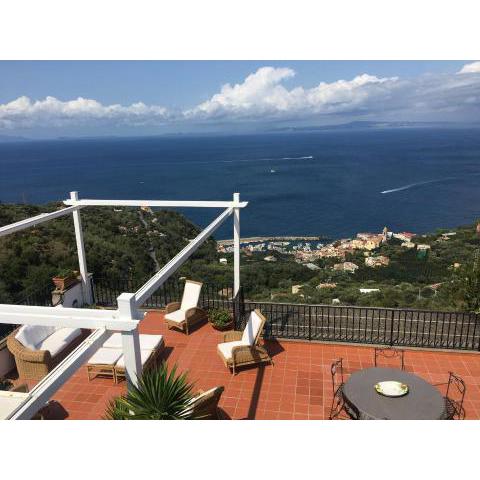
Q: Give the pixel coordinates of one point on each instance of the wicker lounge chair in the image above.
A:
(109, 361)
(37, 349)
(147, 357)
(205, 404)
(102, 363)
(242, 348)
(186, 313)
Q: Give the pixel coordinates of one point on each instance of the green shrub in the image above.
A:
(219, 317)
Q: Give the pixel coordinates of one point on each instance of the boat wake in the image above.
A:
(251, 160)
(418, 184)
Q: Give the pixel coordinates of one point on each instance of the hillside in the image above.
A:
(120, 244)
(131, 244)
(431, 276)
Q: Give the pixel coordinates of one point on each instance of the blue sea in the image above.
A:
(329, 183)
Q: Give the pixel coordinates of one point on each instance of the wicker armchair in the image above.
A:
(205, 404)
(242, 348)
(185, 314)
(31, 364)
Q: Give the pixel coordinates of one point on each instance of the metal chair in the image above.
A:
(454, 396)
(339, 409)
(388, 353)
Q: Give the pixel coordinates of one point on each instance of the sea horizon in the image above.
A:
(330, 183)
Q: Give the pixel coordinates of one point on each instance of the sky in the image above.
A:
(77, 98)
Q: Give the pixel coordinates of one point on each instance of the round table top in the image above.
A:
(422, 402)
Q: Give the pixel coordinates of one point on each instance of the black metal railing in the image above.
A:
(382, 326)
(349, 324)
(212, 296)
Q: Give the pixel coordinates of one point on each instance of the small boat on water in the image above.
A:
(272, 170)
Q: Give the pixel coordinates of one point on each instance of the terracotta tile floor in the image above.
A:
(298, 386)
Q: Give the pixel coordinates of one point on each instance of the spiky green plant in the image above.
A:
(159, 395)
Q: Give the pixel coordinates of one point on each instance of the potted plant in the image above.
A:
(64, 278)
(220, 319)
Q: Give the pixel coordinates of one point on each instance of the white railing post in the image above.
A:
(236, 244)
(130, 339)
(82, 260)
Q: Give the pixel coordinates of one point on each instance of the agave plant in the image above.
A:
(159, 395)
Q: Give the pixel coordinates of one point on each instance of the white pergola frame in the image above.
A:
(127, 316)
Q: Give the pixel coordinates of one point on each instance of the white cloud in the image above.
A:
(24, 112)
(268, 95)
(262, 95)
(473, 67)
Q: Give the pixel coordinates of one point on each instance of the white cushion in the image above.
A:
(58, 340)
(191, 293)
(31, 335)
(144, 356)
(150, 342)
(252, 328)
(147, 342)
(226, 348)
(177, 316)
(105, 356)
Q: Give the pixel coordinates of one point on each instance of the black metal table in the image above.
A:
(422, 402)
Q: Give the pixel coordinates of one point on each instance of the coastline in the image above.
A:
(275, 238)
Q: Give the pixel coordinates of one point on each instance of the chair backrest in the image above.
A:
(390, 352)
(456, 389)
(205, 405)
(254, 327)
(31, 335)
(191, 294)
(336, 371)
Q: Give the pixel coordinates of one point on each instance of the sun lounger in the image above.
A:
(109, 360)
(102, 363)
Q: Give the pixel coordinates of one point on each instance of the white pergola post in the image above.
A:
(82, 259)
(130, 339)
(236, 244)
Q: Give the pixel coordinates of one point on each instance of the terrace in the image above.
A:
(298, 386)
(303, 340)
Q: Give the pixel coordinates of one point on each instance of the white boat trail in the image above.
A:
(418, 184)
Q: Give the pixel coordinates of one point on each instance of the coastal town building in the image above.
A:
(422, 246)
(378, 261)
(322, 286)
(312, 266)
(223, 261)
(270, 258)
(346, 267)
(408, 245)
(404, 236)
(368, 290)
(296, 289)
